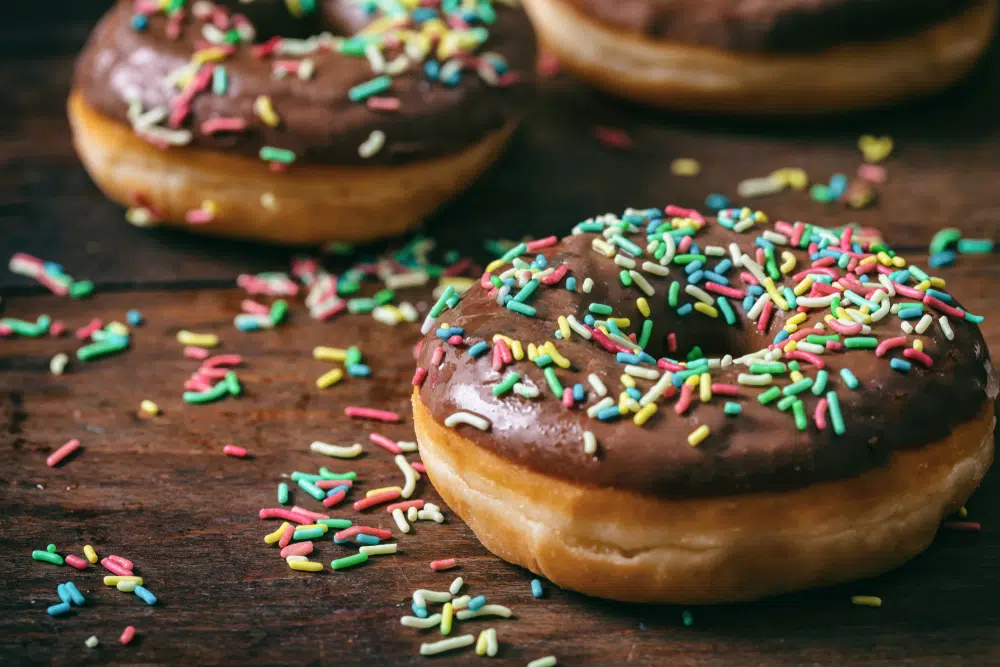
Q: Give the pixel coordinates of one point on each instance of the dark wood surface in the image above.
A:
(159, 491)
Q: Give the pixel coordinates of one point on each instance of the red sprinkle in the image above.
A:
(888, 344)
(963, 526)
(802, 355)
(819, 416)
(418, 376)
(76, 561)
(334, 499)
(213, 125)
(418, 466)
(612, 138)
(405, 505)
(223, 360)
(55, 457)
(385, 443)
(917, 355)
(286, 537)
(765, 317)
(127, 635)
(725, 389)
(348, 533)
(684, 402)
(115, 568)
(234, 451)
(446, 564)
(83, 333)
(722, 289)
(377, 499)
(547, 65)
(195, 353)
(309, 513)
(371, 413)
(57, 328)
(297, 549)
(124, 562)
(282, 513)
(327, 484)
(555, 276)
(939, 305)
(532, 246)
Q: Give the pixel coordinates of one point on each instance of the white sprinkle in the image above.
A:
(411, 514)
(386, 315)
(810, 347)
(372, 145)
(268, 201)
(306, 69)
(657, 389)
(58, 363)
(644, 373)
(92, 641)
(463, 417)
(668, 256)
(427, 325)
(699, 294)
(526, 390)
(485, 610)
(815, 301)
(588, 284)
(775, 237)
(759, 187)
(292, 559)
(422, 596)
(375, 58)
(379, 549)
(758, 306)
(429, 515)
(924, 322)
(597, 384)
(743, 225)
(655, 269)
(337, 451)
(578, 328)
(397, 65)
(492, 646)
(949, 333)
(461, 601)
(605, 402)
(622, 260)
(408, 447)
(547, 661)
(409, 279)
(397, 515)
(715, 251)
(642, 283)
(736, 254)
(884, 279)
(456, 586)
(754, 268)
(434, 648)
(761, 380)
(409, 473)
(421, 623)
(589, 443)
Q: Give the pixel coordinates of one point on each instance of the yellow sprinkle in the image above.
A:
(842, 315)
(209, 54)
(601, 246)
(693, 381)
(621, 322)
(481, 643)
(196, 339)
(698, 435)
(380, 25)
(923, 285)
(447, 613)
(685, 166)
(517, 350)
(330, 378)
(864, 317)
(561, 361)
(265, 111)
(149, 407)
(643, 306)
(271, 538)
(627, 380)
(383, 490)
(644, 414)
(706, 309)
(113, 580)
(792, 345)
(209, 206)
(787, 262)
(705, 390)
(962, 512)
(869, 260)
(918, 345)
(532, 352)
(91, 555)
(803, 286)
(117, 328)
(938, 283)
(776, 297)
(898, 262)
(315, 525)
(883, 257)
(305, 565)
(866, 600)
(798, 318)
(494, 265)
(796, 376)
(459, 283)
(564, 327)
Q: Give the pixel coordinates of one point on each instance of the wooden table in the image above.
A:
(159, 491)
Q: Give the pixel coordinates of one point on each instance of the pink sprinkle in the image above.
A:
(671, 342)
(253, 307)
(418, 466)
(114, 568)
(198, 216)
(888, 344)
(438, 565)
(192, 352)
(819, 415)
(197, 383)
(668, 365)
(385, 443)
(908, 292)
(84, 332)
(684, 402)
(547, 65)
(127, 635)
(383, 103)
(845, 328)
(611, 137)
(331, 311)
(963, 526)
(124, 562)
(802, 355)
(505, 353)
(845, 238)
(765, 316)
(748, 278)
(567, 397)
(282, 513)
(61, 453)
(348, 533)
(458, 268)
(235, 451)
(484, 280)
(797, 231)
(377, 499)
(418, 376)
(941, 306)
(298, 549)
(334, 499)
(437, 356)
(419, 504)
(508, 79)
(212, 373)
(834, 345)
(223, 360)
(265, 49)
(5, 330)
(731, 292)
(76, 561)
(802, 333)
(57, 328)
(327, 484)
(555, 276)
(872, 173)
(919, 356)
(725, 389)
(455, 340)
(677, 211)
(541, 243)
(685, 244)
(214, 125)
(309, 513)
(356, 412)
(286, 537)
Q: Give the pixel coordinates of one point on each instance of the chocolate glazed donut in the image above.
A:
(766, 57)
(297, 122)
(656, 415)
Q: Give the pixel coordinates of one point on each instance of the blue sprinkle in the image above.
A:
(453, 301)
(693, 266)
(366, 540)
(75, 594)
(782, 335)
(536, 588)
(761, 242)
(478, 349)
(342, 540)
(910, 312)
(901, 365)
(543, 360)
(541, 261)
(432, 69)
(571, 284)
(475, 604)
(336, 489)
(134, 317)
(901, 277)
(139, 22)
(696, 277)
(626, 358)
(247, 322)
(359, 370)
(939, 295)
(589, 320)
(838, 184)
(717, 201)
(63, 593)
(756, 290)
(723, 267)
(608, 414)
(633, 393)
(748, 302)
(943, 258)
(686, 309)
(453, 80)
(445, 334)
(421, 14)
(146, 596)
(793, 302)
(579, 393)
(421, 612)
(716, 278)
(59, 609)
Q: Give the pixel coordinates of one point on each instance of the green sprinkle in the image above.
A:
(55, 559)
(797, 387)
(496, 281)
(326, 474)
(645, 333)
(835, 303)
(51, 548)
(673, 293)
(215, 393)
(355, 46)
(365, 90)
(600, 309)
(820, 384)
(687, 618)
(944, 238)
(849, 378)
(355, 306)
(349, 561)
(696, 354)
(733, 408)
(308, 533)
(786, 403)
(769, 395)
(507, 384)
(439, 305)
(543, 360)
(821, 340)
(626, 279)
(220, 80)
(727, 310)
(799, 412)
(31, 329)
(347, 287)
(687, 259)
(835, 415)
(625, 244)
(975, 246)
(339, 524)
(516, 251)
(861, 343)
(278, 310)
(233, 384)
(383, 297)
(554, 384)
(917, 272)
(793, 365)
(273, 154)
(282, 494)
(353, 356)
(81, 289)
(521, 308)
(296, 476)
(774, 367)
(526, 291)
(312, 489)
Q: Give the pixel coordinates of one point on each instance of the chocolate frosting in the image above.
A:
(318, 121)
(770, 25)
(760, 449)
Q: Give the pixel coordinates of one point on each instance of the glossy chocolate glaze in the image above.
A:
(761, 449)
(770, 25)
(318, 121)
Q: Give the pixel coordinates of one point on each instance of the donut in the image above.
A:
(301, 121)
(673, 408)
(768, 57)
